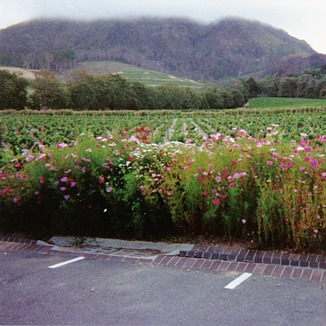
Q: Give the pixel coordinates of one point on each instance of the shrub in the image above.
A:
(260, 190)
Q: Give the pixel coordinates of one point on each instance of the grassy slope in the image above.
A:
(26, 73)
(133, 73)
(279, 102)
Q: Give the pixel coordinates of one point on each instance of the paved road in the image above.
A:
(100, 292)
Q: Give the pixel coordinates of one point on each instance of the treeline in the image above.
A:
(112, 92)
(311, 84)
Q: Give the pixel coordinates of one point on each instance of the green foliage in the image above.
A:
(48, 92)
(257, 189)
(13, 91)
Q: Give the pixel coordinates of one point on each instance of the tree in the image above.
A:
(214, 99)
(253, 88)
(48, 92)
(13, 91)
(269, 86)
(288, 87)
(83, 92)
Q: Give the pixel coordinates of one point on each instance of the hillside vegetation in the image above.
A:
(131, 73)
(228, 48)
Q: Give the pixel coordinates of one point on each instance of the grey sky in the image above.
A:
(304, 19)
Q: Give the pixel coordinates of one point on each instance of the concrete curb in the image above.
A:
(187, 260)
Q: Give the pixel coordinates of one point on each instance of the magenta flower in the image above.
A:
(17, 199)
(216, 201)
(72, 184)
(313, 162)
(201, 179)
(66, 197)
(231, 185)
(64, 179)
(24, 177)
(269, 162)
(63, 188)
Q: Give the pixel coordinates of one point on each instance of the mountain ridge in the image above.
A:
(232, 47)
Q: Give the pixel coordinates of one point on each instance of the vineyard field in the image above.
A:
(21, 130)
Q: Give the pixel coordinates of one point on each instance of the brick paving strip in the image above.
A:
(214, 258)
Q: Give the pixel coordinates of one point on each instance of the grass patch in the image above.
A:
(280, 102)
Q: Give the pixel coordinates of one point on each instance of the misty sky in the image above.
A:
(303, 19)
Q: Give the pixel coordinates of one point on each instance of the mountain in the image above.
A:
(228, 48)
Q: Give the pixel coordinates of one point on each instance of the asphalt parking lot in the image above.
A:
(43, 289)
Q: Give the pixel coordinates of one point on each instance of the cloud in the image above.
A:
(301, 18)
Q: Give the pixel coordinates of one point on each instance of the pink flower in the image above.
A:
(101, 179)
(218, 179)
(307, 149)
(313, 162)
(64, 179)
(108, 189)
(4, 192)
(231, 185)
(17, 199)
(72, 184)
(323, 175)
(243, 221)
(201, 179)
(24, 177)
(269, 162)
(63, 188)
(40, 157)
(83, 169)
(216, 201)
(66, 197)
(61, 145)
(29, 158)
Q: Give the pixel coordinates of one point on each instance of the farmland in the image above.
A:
(20, 130)
(255, 175)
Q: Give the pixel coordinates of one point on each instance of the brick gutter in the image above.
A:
(268, 263)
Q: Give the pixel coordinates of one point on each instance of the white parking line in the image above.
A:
(238, 281)
(66, 262)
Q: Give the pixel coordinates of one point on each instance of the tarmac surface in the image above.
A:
(71, 281)
(214, 257)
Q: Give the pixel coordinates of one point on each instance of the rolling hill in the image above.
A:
(180, 47)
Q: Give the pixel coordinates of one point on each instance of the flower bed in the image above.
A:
(264, 191)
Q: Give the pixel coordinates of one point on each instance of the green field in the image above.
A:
(21, 130)
(285, 103)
